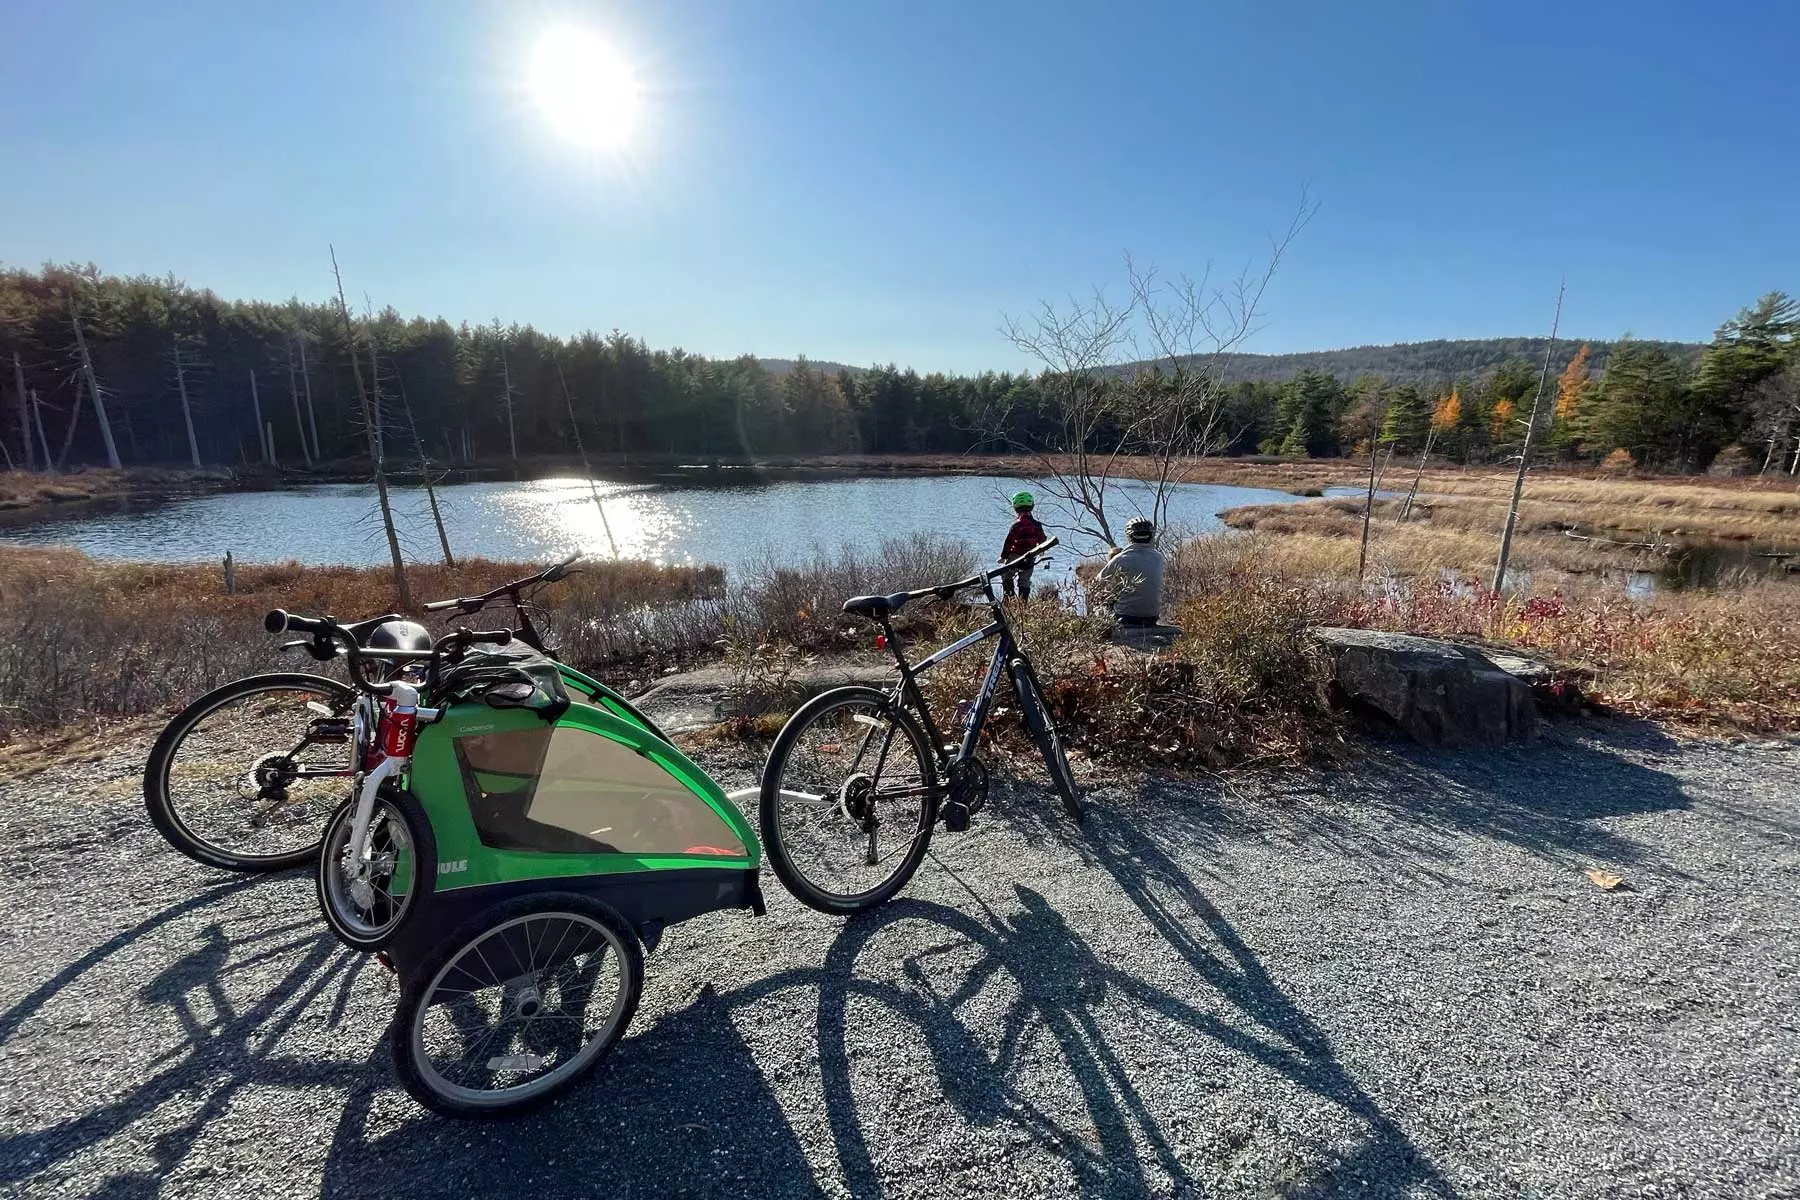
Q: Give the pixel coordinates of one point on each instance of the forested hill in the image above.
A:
(1422, 364)
(128, 371)
(1435, 363)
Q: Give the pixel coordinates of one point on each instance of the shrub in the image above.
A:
(1619, 462)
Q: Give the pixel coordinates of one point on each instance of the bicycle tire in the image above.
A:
(164, 812)
(1038, 723)
(404, 806)
(426, 1084)
(769, 815)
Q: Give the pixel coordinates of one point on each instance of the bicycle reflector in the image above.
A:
(881, 641)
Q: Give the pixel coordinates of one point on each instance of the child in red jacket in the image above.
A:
(1025, 534)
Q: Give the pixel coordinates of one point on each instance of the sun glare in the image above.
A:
(583, 87)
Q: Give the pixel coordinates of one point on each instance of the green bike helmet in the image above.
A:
(1023, 500)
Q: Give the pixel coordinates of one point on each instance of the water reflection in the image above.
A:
(735, 525)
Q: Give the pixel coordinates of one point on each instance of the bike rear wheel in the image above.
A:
(1036, 712)
(516, 1007)
(237, 781)
(848, 800)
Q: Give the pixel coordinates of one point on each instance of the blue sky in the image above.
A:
(865, 181)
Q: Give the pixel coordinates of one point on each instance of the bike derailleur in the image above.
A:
(968, 793)
(269, 777)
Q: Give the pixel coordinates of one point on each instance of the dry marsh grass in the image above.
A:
(1727, 659)
(80, 637)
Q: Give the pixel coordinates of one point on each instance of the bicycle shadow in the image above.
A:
(1556, 799)
(225, 1047)
(1116, 1143)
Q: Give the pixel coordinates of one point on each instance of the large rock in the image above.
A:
(1438, 693)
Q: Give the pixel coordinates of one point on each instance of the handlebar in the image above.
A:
(945, 591)
(329, 638)
(470, 604)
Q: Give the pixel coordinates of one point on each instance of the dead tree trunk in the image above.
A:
(312, 417)
(306, 454)
(87, 372)
(263, 438)
(24, 413)
(1512, 512)
(37, 415)
(587, 468)
(1362, 555)
(512, 436)
(371, 421)
(187, 413)
(437, 518)
(1412, 492)
(62, 460)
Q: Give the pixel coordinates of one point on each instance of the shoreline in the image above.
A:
(24, 493)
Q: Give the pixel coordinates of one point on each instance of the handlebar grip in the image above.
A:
(492, 637)
(441, 605)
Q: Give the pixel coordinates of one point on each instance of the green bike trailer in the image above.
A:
(537, 779)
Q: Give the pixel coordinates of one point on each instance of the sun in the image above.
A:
(583, 87)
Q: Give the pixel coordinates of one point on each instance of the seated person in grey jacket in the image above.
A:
(1133, 576)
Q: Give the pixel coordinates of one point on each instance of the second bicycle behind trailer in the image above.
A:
(860, 776)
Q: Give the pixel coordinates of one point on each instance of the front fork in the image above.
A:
(397, 729)
(368, 788)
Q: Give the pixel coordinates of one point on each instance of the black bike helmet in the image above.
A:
(401, 635)
(397, 635)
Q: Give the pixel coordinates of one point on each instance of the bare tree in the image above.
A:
(1142, 379)
(37, 414)
(437, 517)
(1775, 415)
(587, 468)
(312, 416)
(512, 436)
(1512, 511)
(306, 453)
(87, 373)
(372, 423)
(263, 435)
(24, 413)
(1413, 492)
(187, 412)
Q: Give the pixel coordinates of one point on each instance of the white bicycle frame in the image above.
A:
(366, 733)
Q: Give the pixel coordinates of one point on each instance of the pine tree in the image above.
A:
(1408, 420)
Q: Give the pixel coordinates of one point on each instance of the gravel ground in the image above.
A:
(1394, 980)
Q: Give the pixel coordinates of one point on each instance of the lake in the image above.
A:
(684, 521)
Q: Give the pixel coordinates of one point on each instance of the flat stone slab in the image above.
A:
(1144, 637)
(707, 695)
(1438, 693)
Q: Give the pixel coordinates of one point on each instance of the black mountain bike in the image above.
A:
(858, 777)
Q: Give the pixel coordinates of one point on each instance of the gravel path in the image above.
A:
(1389, 981)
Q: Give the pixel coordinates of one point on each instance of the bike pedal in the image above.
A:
(956, 817)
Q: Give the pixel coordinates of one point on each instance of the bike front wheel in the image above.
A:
(366, 904)
(246, 776)
(1036, 712)
(848, 800)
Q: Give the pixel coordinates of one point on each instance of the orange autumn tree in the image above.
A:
(1570, 383)
(1448, 413)
(1503, 417)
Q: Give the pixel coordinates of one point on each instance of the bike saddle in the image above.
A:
(876, 606)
